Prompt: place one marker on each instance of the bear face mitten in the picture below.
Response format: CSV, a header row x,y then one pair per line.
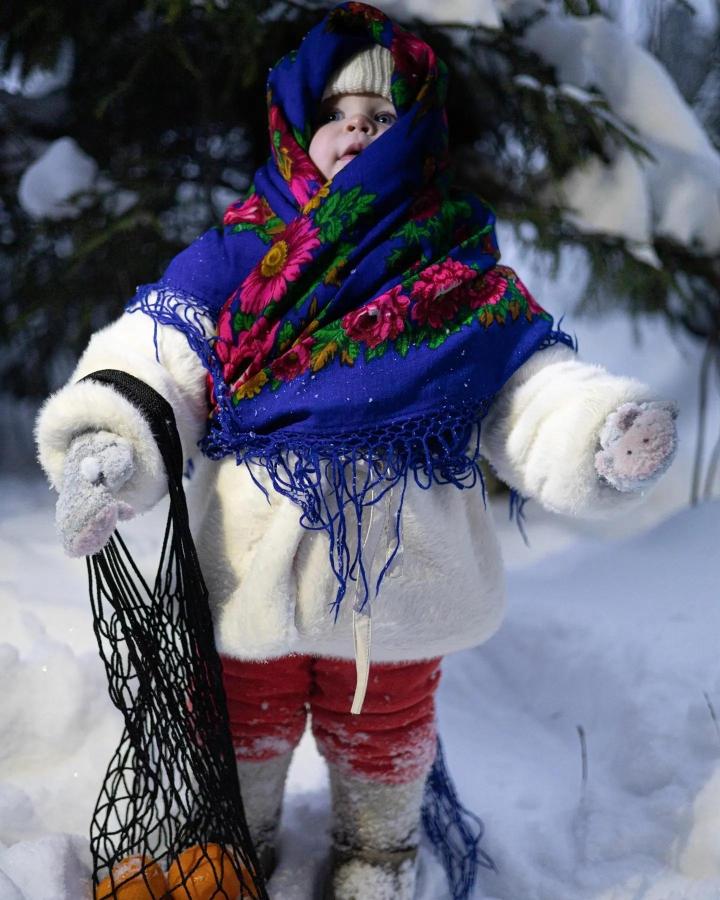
x,y
97,465
637,443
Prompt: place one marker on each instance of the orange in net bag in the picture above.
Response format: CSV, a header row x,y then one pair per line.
x,y
202,873
135,878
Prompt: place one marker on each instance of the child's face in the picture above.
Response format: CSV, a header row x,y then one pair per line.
x,y
347,125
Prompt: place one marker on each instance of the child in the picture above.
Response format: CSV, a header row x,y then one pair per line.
x,y
349,338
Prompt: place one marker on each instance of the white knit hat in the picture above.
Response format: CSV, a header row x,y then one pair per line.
x,y
367,72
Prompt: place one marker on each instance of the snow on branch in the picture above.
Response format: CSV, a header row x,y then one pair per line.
x,y
672,192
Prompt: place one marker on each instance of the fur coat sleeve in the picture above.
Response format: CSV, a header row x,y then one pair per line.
x,y
541,434
158,355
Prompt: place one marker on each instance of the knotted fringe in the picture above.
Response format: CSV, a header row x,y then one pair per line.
x,y
516,511
336,490
454,831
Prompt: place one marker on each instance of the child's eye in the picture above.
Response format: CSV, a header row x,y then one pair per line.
x,y
385,118
332,115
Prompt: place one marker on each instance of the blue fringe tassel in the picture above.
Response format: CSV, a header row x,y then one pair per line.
x,y
517,511
454,831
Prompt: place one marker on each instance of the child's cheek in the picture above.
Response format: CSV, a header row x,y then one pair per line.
x,y
320,149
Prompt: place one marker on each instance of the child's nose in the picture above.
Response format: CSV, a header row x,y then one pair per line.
x,y
359,122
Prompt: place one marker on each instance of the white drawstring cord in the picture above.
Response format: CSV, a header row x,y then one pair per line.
x,y
362,622
362,633
374,527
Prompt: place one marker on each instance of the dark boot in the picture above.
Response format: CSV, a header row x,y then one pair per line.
x,y
262,785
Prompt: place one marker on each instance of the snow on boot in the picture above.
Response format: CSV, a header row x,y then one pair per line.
x,y
375,832
372,875
262,785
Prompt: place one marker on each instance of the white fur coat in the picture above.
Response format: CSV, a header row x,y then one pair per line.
x,y
270,581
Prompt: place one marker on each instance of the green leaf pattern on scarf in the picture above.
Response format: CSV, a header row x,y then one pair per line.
x,y
340,212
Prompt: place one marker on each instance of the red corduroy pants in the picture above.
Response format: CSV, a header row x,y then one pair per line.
x,y
392,741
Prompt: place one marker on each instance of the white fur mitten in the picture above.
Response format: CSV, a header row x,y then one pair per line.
x,y
637,444
97,464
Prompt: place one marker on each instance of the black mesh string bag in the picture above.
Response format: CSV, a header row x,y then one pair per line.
x,y
169,817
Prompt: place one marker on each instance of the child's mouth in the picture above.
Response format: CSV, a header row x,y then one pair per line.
x,y
351,152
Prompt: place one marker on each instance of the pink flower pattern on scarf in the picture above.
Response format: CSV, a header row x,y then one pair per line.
x,y
252,347
426,206
490,288
381,319
282,263
411,55
533,306
294,361
292,161
435,294
255,210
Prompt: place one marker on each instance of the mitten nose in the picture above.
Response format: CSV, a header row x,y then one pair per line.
x,y
92,535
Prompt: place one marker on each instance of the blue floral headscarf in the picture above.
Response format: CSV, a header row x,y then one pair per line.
x,y
363,325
